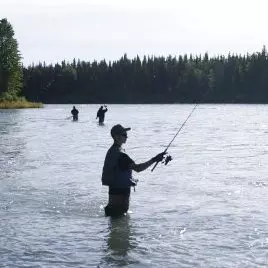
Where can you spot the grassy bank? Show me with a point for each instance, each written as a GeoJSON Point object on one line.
{"type": "Point", "coordinates": [19, 104]}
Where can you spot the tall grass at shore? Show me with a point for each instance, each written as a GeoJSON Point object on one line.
{"type": "Point", "coordinates": [19, 104]}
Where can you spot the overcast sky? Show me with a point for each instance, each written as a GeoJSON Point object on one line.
{"type": "Point", "coordinates": [54, 30]}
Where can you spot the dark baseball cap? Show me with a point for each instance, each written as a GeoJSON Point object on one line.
{"type": "Point", "coordinates": [118, 130]}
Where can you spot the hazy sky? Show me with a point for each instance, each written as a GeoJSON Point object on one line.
{"type": "Point", "coordinates": [54, 30]}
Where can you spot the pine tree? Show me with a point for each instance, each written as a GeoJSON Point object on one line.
{"type": "Point", "coordinates": [10, 66]}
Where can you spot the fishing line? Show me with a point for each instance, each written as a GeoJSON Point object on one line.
{"type": "Point", "coordinates": [176, 135]}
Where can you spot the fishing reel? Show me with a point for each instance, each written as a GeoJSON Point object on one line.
{"type": "Point", "coordinates": [167, 159]}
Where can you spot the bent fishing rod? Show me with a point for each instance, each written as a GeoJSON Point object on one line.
{"type": "Point", "coordinates": [169, 157]}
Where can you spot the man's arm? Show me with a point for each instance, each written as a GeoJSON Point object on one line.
{"type": "Point", "coordinates": [142, 166]}
{"type": "Point", "coordinates": [125, 162]}
{"type": "Point", "coordinates": [145, 165]}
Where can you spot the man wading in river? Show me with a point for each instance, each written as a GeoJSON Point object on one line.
{"type": "Point", "coordinates": [75, 113]}
{"type": "Point", "coordinates": [101, 114]}
{"type": "Point", "coordinates": [117, 172]}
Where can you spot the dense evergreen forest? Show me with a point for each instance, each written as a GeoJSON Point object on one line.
{"type": "Point", "coordinates": [182, 79]}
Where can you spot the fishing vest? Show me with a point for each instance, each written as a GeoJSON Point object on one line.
{"type": "Point", "coordinates": [123, 179]}
{"type": "Point", "coordinates": [111, 174]}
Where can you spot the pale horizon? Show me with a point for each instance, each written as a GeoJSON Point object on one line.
{"type": "Point", "coordinates": [53, 31]}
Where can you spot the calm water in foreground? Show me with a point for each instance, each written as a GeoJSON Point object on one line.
{"type": "Point", "coordinates": [206, 208]}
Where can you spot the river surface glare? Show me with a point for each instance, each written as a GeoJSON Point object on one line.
{"type": "Point", "coordinates": [207, 208]}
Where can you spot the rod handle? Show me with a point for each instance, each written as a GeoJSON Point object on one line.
{"type": "Point", "coordinates": [156, 163]}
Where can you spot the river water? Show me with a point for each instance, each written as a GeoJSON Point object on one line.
{"type": "Point", "coordinates": [206, 208]}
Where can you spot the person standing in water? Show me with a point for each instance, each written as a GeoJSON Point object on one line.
{"type": "Point", "coordinates": [117, 172]}
{"type": "Point", "coordinates": [101, 114]}
{"type": "Point", "coordinates": [75, 113]}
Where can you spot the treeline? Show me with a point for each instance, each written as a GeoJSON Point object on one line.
{"type": "Point", "coordinates": [182, 79]}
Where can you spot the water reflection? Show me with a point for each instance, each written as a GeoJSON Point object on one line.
{"type": "Point", "coordinates": [120, 243]}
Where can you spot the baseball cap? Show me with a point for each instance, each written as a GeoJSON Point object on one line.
{"type": "Point", "coordinates": [118, 130]}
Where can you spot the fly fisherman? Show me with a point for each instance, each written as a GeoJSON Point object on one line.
{"type": "Point", "coordinates": [117, 172]}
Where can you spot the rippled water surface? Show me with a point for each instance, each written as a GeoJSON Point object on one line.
{"type": "Point", "coordinates": [206, 208]}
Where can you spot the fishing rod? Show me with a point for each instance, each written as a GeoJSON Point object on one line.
{"type": "Point", "coordinates": [169, 158]}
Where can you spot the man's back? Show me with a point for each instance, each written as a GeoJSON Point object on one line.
{"type": "Point", "coordinates": [110, 162]}
{"type": "Point", "coordinates": [74, 111]}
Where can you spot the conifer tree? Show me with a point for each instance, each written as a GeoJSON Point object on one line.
{"type": "Point", "coordinates": [10, 66]}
